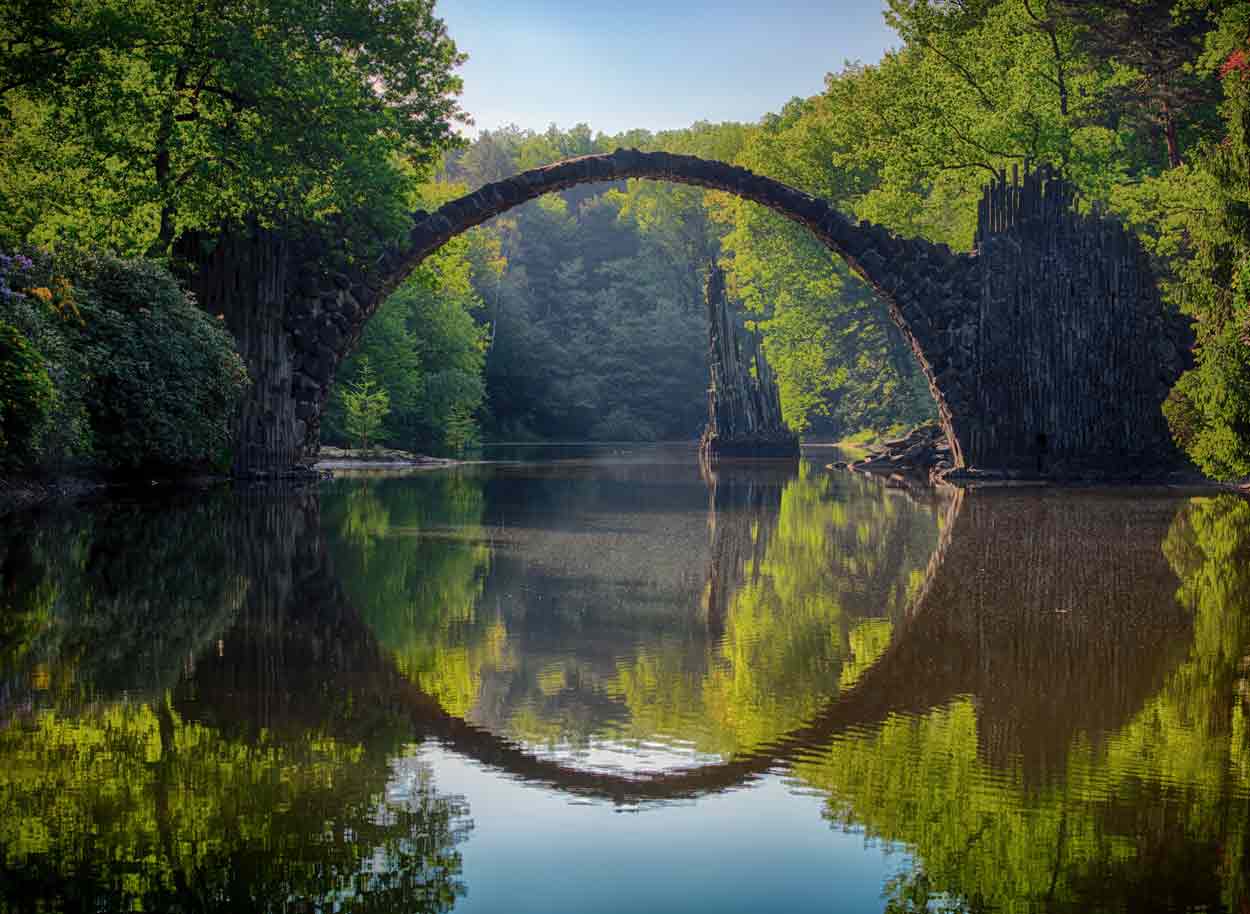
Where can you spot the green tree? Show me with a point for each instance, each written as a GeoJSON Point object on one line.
{"type": "Point", "coordinates": [462, 432]}
{"type": "Point", "coordinates": [159, 117]}
{"type": "Point", "coordinates": [427, 345]}
{"type": "Point", "coordinates": [1209, 410]}
{"type": "Point", "coordinates": [366, 405]}
{"type": "Point", "coordinates": [1153, 48]}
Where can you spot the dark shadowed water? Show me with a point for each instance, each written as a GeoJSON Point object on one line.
{"type": "Point", "coordinates": [592, 680]}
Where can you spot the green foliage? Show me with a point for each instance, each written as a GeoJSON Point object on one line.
{"type": "Point", "coordinates": [142, 379]}
{"type": "Point", "coordinates": [132, 121]}
{"type": "Point", "coordinates": [597, 326]}
{"type": "Point", "coordinates": [462, 432]}
{"type": "Point", "coordinates": [1113, 95]}
{"type": "Point", "coordinates": [41, 304]}
{"type": "Point", "coordinates": [841, 363]}
{"type": "Point", "coordinates": [1209, 410]}
{"type": "Point", "coordinates": [165, 379]}
{"type": "Point", "coordinates": [428, 351]}
{"type": "Point", "coordinates": [622, 425]}
{"type": "Point", "coordinates": [366, 405]}
{"type": "Point", "coordinates": [26, 398]}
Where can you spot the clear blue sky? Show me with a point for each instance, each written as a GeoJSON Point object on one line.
{"type": "Point", "coordinates": [656, 64]}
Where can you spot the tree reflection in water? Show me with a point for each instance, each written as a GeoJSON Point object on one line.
{"type": "Point", "coordinates": [790, 572]}
{"type": "Point", "coordinates": [1044, 698]}
{"type": "Point", "coordinates": [145, 759]}
{"type": "Point", "coordinates": [1093, 754]}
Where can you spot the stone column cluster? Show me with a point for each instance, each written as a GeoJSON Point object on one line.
{"type": "Point", "coordinates": [744, 404]}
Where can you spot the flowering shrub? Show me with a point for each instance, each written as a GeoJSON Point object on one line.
{"type": "Point", "coordinates": [14, 268]}
{"type": "Point", "coordinates": [142, 379]}
{"type": "Point", "coordinates": [165, 377]}
{"type": "Point", "coordinates": [1237, 62]}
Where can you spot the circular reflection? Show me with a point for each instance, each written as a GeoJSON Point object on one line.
{"type": "Point", "coordinates": [638, 621]}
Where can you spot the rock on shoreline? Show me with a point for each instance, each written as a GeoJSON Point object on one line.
{"type": "Point", "coordinates": [336, 458]}
{"type": "Point", "coordinates": [919, 456]}
{"type": "Point", "coordinates": [20, 494]}
{"type": "Point", "coordinates": [923, 458]}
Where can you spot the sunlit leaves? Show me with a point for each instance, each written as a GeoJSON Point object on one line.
{"type": "Point", "coordinates": [164, 117]}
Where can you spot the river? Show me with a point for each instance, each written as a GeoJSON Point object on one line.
{"type": "Point", "coordinates": [591, 679]}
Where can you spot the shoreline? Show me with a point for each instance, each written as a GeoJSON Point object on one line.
{"type": "Point", "coordinates": [22, 493]}
{"type": "Point", "coordinates": [359, 463]}
{"type": "Point", "coordinates": [25, 494]}
{"type": "Point", "coordinates": [901, 478]}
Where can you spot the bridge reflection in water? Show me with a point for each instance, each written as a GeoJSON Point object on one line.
{"type": "Point", "coordinates": [1042, 697]}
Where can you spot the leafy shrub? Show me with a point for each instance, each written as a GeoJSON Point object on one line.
{"type": "Point", "coordinates": [26, 398]}
{"type": "Point", "coordinates": [139, 377]}
{"type": "Point", "coordinates": [165, 379]}
{"type": "Point", "coordinates": [1209, 409]}
{"type": "Point", "coordinates": [40, 303]}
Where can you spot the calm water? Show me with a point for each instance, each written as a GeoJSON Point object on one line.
{"type": "Point", "coordinates": [592, 681]}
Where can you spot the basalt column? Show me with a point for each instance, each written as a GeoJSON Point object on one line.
{"type": "Point", "coordinates": [743, 404]}
{"type": "Point", "coordinates": [1071, 349]}
{"type": "Point", "coordinates": [293, 319]}
{"type": "Point", "coordinates": [246, 278]}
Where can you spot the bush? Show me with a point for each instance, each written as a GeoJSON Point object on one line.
{"type": "Point", "coordinates": [1209, 409]}
{"type": "Point", "coordinates": [140, 378]}
{"type": "Point", "coordinates": [40, 303]}
{"type": "Point", "coordinates": [26, 399]}
{"type": "Point", "coordinates": [165, 377]}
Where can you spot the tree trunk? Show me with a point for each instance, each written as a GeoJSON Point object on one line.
{"type": "Point", "coordinates": [1169, 132]}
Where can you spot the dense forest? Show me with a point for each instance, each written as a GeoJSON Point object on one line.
{"type": "Point", "coordinates": [128, 124]}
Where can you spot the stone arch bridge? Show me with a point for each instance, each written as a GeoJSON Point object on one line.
{"type": "Point", "coordinates": [1047, 342]}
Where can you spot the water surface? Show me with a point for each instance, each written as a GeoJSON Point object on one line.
{"type": "Point", "coordinates": [591, 679]}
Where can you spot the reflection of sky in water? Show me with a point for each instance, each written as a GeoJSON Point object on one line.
{"type": "Point", "coordinates": [628, 757]}
{"type": "Point", "coordinates": [760, 849]}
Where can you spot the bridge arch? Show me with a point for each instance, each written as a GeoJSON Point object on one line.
{"type": "Point", "coordinates": [916, 280]}
{"type": "Point", "coordinates": [1047, 340]}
